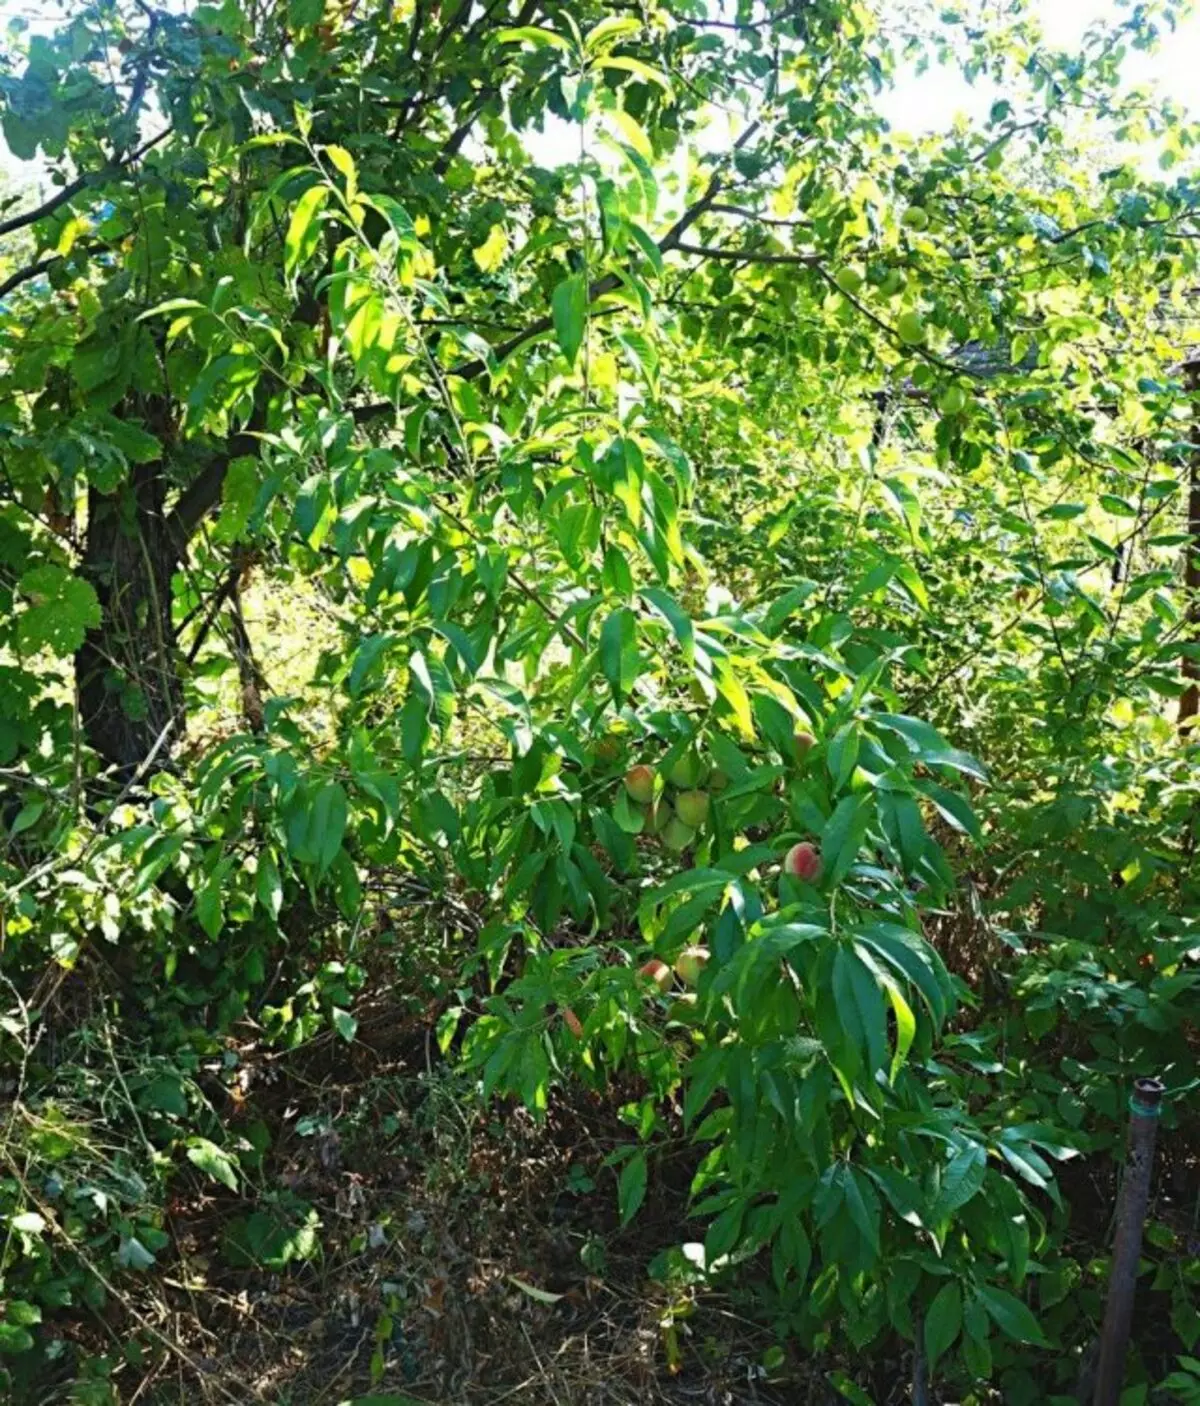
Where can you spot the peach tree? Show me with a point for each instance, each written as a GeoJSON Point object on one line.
{"type": "Point", "coordinates": [655, 429]}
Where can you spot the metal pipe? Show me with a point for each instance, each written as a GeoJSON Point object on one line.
{"type": "Point", "coordinates": [1144, 1109]}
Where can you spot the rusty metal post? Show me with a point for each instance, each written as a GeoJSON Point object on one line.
{"type": "Point", "coordinates": [1144, 1108]}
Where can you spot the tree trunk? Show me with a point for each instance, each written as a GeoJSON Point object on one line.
{"type": "Point", "coordinates": [127, 671]}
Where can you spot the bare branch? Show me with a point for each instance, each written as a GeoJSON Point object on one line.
{"type": "Point", "coordinates": [72, 188]}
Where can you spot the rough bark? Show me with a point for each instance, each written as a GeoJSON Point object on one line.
{"type": "Point", "coordinates": [127, 671]}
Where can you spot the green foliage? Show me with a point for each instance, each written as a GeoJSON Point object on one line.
{"type": "Point", "coordinates": [612, 461]}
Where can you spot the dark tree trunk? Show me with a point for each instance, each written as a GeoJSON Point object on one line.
{"type": "Point", "coordinates": [127, 671]}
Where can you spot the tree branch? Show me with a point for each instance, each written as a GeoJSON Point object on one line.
{"type": "Point", "coordinates": [718, 208]}
{"type": "Point", "coordinates": [72, 188]}
{"type": "Point", "coordinates": [202, 495]}
{"type": "Point", "coordinates": [748, 256]}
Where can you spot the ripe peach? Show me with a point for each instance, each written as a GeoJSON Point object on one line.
{"type": "Point", "coordinates": [639, 782]}
{"type": "Point", "coordinates": [804, 862]}
{"type": "Point", "coordinates": [657, 972]}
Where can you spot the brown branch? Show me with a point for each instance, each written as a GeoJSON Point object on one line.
{"type": "Point", "coordinates": [14, 280]}
{"type": "Point", "coordinates": [202, 494]}
{"type": "Point", "coordinates": [748, 256]}
{"type": "Point", "coordinates": [72, 188]}
{"type": "Point", "coordinates": [718, 207]}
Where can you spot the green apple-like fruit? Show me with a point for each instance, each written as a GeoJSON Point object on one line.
{"type": "Point", "coordinates": [911, 327]}
{"type": "Point", "coordinates": [690, 963]}
{"type": "Point", "coordinates": [953, 401]}
{"type": "Point", "coordinates": [657, 972]}
{"type": "Point", "coordinates": [717, 779]}
{"type": "Point", "coordinates": [692, 808]}
{"type": "Point", "coordinates": [687, 771]}
{"type": "Point", "coordinates": [657, 816]}
{"type": "Point", "coordinates": [676, 835]}
{"type": "Point", "coordinates": [803, 741]}
{"type": "Point", "coordinates": [804, 862]}
{"type": "Point", "coordinates": [848, 280]}
{"type": "Point", "coordinates": [915, 217]}
{"type": "Point", "coordinates": [639, 782]}
{"type": "Point", "coordinates": [894, 284]}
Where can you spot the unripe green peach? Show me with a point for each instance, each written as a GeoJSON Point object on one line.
{"type": "Point", "coordinates": [677, 836]}
{"type": "Point", "coordinates": [658, 816]}
{"type": "Point", "coordinates": [894, 284]}
{"type": "Point", "coordinates": [686, 771]}
{"type": "Point", "coordinates": [915, 217]}
{"type": "Point", "coordinates": [692, 808]}
{"type": "Point", "coordinates": [953, 401]}
{"type": "Point", "coordinates": [911, 328]}
{"type": "Point", "coordinates": [848, 280]}
{"type": "Point", "coordinates": [803, 741]}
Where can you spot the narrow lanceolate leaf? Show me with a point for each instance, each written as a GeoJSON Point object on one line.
{"type": "Point", "coordinates": [569, 306]}
{"type": "Point", "coordinates": [843, 836]}
{"type": "Point", "coordinates": [1010, 1315]}
{"type": "Point", "coordinates": [943, 1322]}
{"type": "Point", "coordinates": [328, 824]}
{"type": "Point", "coordinates": [962, 1178]}
{"type": "Point", "coordinates": [618, 652]}
{"type": "Point", "coordinates": [304, 229]}
{"type": "Point", "coordinates": [631, 1189]}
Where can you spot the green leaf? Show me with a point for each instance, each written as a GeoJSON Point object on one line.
{"type": "Point", "coordinates": [212, 1161]}
{"type": "Point", "coordinates": [304, 231]}
{"type": "Point", "coordinates": [858, 1006]}
{"type": "Point", "coordinates": [268, 884]}
{"type": "Point", "coordinates": [569, 305]}
{"type": "Point", "coordinates": [210, 908]}
{"type": "Point", "coordinates": [631, 1188]}
{"type": "Point", "coordinates": [916, 961]}
{"type": "Point", "coordinates": [954, 809]}
{"type": "Point", "coordinates": [843, 835]}
{"type": "Point", "coordinates": [862, 1202]}
{"type": "Point", "coordinates": [345, 1024]}
{"type": "Point", "coordinates": [328, 823]}
{"type": "Point", "coordinates": [928, 745]}
{"type": "Point", "coordinates": [962, 1178]}
{"type": "Point", "coordinates": [14, 1339]}
{"type": "Point", "coordinates": [62, 609]}
{"type": "Point", "coordinates": [619, 653]}
{"type": "Point", "coordinates": [675, 616]}
{"type": "Point", "coordinates": [532, 34]}
{"type": "Point", "coordinates": [943, 1322]}
{"type": "Point", "coordinates": [1011, 1316]}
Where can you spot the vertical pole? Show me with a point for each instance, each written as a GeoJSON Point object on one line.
{"type": "Point", "coordinates": [1189, 702]}
{"type": "Point", "coordinates": [1144, 1108]}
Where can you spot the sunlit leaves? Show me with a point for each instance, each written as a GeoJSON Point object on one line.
{"type": "Point", "coordinates": [304, 230]}
{"type": "Point", "coordinates": [570, 308]}
{"type": "Point", "coordinates": [61, 609]}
